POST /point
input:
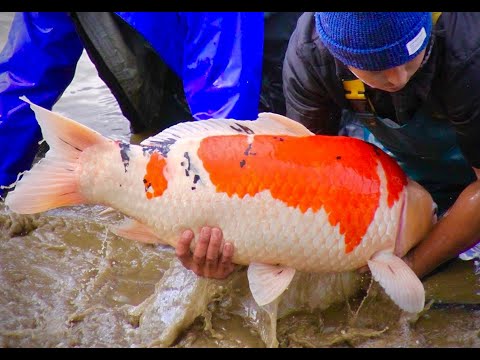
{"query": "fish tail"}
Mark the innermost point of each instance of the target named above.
(53, 181)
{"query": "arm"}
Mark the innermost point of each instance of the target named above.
(38, 61)
(459, 229)
(306, 98)
(453, 234)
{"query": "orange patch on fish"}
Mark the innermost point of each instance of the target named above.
(336, 173)
(154, 180)
(396, 178)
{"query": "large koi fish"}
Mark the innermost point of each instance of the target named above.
(287, 199)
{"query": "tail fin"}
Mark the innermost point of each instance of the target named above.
(53, 182)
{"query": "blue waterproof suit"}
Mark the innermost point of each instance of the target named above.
(217, 55)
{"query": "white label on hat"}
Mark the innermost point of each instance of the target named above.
(415, 44)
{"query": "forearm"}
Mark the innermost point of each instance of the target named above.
(452, 235)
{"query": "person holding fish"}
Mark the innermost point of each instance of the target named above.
(410, 83)
(163, 68)
(376, 76)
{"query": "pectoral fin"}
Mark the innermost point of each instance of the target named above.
(134, 230)
(399, 281)
(267, 282)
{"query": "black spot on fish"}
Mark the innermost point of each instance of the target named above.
(162, 146)
(242, 128)
(147, 186)
(278, 273)
(190, 169)
(124, 150)
(187, 170)
(249, 151)
(187, 156)
(339, 157)
(242, 163)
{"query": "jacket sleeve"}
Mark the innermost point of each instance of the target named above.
(38, 61)
(222, 64)
(306, 98)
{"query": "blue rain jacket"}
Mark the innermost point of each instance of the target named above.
(217, 55)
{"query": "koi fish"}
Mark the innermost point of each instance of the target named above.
(287, 199)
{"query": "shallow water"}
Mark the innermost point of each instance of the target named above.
(67, 281)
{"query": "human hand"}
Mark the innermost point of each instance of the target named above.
(211, 257)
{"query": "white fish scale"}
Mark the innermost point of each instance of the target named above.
(263, 229)
(377, 237)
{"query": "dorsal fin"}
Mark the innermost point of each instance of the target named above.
(266, 124)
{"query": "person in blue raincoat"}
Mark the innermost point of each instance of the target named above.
(163, 68)
(410, 83)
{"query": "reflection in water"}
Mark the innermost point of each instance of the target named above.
(67, 281)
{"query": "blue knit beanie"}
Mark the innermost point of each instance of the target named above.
(374, 40)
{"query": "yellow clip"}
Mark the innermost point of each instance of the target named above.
(435, 16)
(355, 90)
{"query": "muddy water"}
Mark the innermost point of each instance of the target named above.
(67, 281)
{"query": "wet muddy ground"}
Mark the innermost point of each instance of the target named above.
(67, 281)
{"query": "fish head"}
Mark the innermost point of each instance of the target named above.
(418, 216)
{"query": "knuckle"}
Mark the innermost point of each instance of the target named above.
(198, 259)
(211, 259)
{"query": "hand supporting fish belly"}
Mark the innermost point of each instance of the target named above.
(211, 258)
(285, 198)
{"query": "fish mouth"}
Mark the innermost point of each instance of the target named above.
(418, 216)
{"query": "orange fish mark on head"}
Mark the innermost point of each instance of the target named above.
(338, 174)
(154, 180)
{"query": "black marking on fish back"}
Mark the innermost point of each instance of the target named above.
(242, 129)
(249, 151)
(190, 169)
(162, 146)
(187, 170)
(124, 150)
